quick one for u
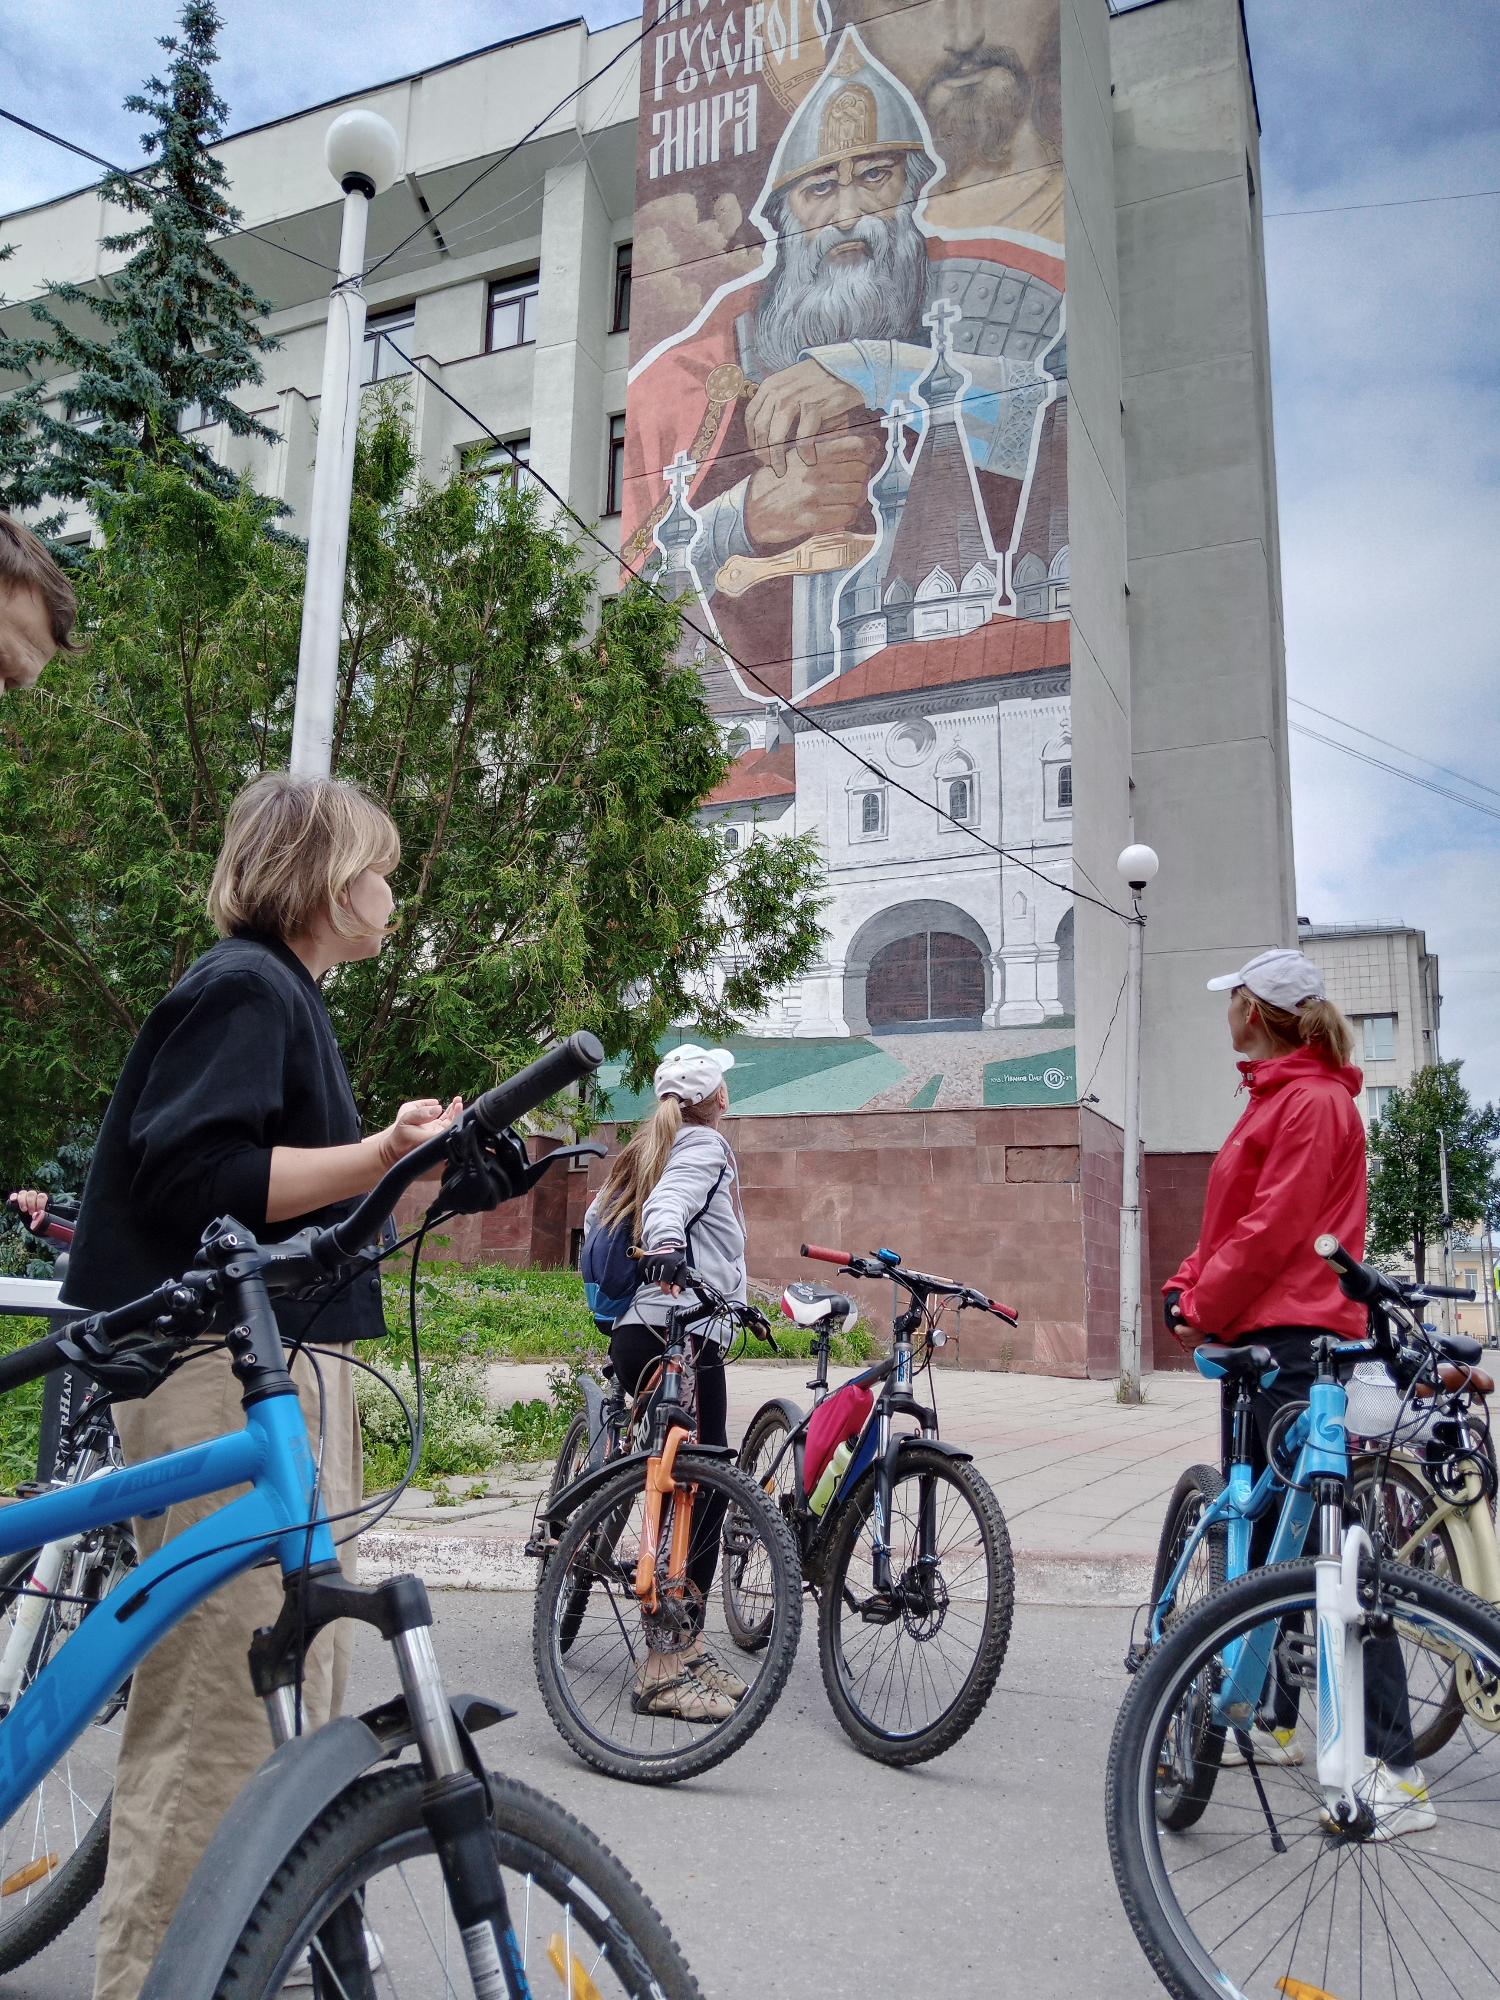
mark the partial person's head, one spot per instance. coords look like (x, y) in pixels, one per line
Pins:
(38, 609)
(690, 1090)
(1278, 1003)
(307, 860)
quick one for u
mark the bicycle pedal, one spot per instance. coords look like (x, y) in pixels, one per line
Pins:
(1297, 1659)
(1136, 1658)
(879, 1611)
(540, 1547)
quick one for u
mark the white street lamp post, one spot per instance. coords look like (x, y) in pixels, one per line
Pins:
(364, 156)
(1137, 866)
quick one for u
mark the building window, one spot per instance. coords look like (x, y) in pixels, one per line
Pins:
(614, 471)
(957, 791)
(621, 321)
(1065, 788)
(380, 362)
(512, 312)
(502, 465)
(960, 799)
(193, 417)
(1377, 1099)
(1379, 1037)
(732, 836)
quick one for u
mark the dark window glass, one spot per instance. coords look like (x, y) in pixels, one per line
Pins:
(621, 322)
(1065, 787)
(512, 314)
(503, 464)
(614, 472)
(380, 361)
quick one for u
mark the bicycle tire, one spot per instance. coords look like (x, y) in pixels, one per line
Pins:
(772, 1423)
(1182, 1962)
(570, 1457)
(381, 1813)
(1361, 1481)
(1179, 1806)
(904, 1747)
(63, 1896)
(607, 1511)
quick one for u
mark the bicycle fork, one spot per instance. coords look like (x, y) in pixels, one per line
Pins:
(1341, 1673)
(455, 1798)
(661, 1484)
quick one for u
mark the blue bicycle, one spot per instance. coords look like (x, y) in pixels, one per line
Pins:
(339, 1867)
(1341, 1867)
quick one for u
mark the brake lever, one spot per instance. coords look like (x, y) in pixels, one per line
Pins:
(484, 1170)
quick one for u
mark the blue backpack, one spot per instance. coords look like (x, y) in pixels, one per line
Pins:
(611, 1276)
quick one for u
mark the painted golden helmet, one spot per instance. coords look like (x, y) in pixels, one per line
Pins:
(856, 107)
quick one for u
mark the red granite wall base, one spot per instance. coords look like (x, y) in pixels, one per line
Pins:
(1023, 1203)
(1175, 1186)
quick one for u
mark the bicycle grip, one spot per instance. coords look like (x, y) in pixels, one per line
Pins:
(1007, 1313)
(1354, 1280)
(816, 1250)
(31, 1363)
(579, 1056)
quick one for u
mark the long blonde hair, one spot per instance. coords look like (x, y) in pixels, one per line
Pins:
(642, 1161)
(1317, 1024)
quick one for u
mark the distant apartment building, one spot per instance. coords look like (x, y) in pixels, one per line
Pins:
(1386, 981)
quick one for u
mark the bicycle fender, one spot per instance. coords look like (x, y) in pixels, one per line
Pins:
(908, 1441)
(297, 1782)
(567, 1503)
(793, 1413)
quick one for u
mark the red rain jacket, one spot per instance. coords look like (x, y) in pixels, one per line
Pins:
(1293, 1167)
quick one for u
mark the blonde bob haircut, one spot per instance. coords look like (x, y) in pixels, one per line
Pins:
(292, 848)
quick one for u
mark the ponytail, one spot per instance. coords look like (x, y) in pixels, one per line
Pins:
(642, 1161)
(1317, 1024)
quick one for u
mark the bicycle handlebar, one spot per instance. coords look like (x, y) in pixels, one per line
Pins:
(30, 1363)
(816, 1250)
(579, 1056)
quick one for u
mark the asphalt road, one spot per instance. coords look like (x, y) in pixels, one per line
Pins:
(801, 1870)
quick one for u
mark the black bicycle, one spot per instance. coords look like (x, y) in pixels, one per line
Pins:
(902, 1540)
(625, 1632)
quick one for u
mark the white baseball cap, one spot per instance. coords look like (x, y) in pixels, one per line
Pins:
(691, 1073)
(1282, 978)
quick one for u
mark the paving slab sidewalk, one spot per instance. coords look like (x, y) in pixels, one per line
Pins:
(1083, 1482)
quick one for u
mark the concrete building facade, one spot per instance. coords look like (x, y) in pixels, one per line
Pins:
(1386, 981)
(1071, 640)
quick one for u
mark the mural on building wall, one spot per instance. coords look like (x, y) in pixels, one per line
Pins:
(847, 451)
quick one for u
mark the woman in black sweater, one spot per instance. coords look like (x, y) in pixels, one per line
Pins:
(235, 1101)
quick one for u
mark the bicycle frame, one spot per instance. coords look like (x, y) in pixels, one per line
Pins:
(271, 1454)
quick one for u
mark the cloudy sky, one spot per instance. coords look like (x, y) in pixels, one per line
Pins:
(1385, 325)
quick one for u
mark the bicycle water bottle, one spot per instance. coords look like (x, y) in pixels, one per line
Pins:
(828, 1485)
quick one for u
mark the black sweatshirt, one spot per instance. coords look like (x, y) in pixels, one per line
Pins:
(239, 1057)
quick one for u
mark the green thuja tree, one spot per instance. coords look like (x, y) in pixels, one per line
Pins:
(1406, 1202)
(177, 330)
(545, 771)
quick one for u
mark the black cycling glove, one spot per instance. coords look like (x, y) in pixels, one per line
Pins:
(663, 1267)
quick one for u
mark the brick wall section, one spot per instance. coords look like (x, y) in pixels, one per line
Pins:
(1023, 1203)
(1175, 1187)
(1102, 1152)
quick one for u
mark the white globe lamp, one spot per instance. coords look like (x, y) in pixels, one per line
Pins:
(1137, 865)
(363, 152)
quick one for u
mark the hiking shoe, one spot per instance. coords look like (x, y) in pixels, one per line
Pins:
(684, 1696)
(1267, 1746)
(1398, 1799)
(714, 1674)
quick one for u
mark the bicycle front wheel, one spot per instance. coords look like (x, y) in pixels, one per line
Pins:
(1181, 1797)
(909, 1670)
(581, 1924)
(54, 1848)
(648, 1692)
(1262, 1898)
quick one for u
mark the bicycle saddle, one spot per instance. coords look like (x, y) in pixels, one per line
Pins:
(809, 1304)
(1219, 1362)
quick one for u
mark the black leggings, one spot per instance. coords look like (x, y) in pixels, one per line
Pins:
(633, 1349)
(1388, 1732)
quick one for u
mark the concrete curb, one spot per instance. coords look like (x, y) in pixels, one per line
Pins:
(496, 1562)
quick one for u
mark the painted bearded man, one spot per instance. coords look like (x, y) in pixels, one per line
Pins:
(777, 391)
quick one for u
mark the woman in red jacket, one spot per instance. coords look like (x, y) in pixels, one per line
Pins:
(1293, 1168)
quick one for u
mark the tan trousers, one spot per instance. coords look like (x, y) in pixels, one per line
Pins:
(194, 1729)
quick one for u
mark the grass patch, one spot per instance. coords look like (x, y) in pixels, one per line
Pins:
(20, 1410)
(465, 1432)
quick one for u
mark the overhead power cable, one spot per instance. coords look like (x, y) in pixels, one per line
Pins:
(1400, 748)
(135, 173)
(716, 642)
(1395, 771)
(510, 152)
(1402, 201)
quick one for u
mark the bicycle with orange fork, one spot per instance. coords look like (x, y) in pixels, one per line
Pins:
(628, 1628)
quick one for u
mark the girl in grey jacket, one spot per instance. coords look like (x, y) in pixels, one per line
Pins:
(677, 1177)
